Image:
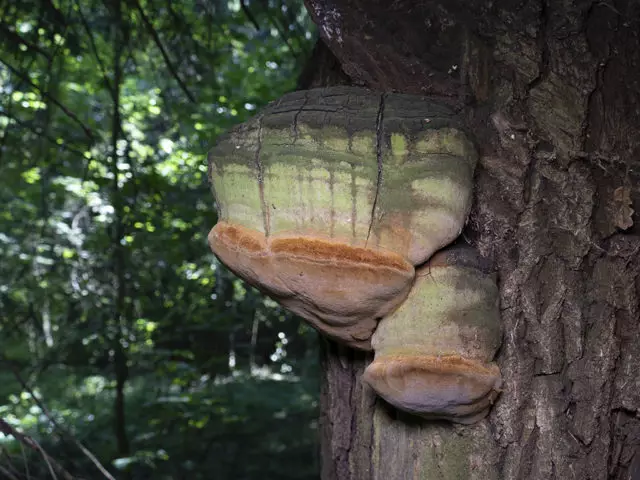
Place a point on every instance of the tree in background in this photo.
(120, 334)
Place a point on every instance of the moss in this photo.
(398, 147)
(448, 311)
(449, 458)
(444, 140)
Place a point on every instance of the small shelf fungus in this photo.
(329, 199)
(433, 355)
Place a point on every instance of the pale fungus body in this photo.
(433, 355)
(329, 199)
(341, 290)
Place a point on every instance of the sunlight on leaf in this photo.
(166, 145)
(32, 176)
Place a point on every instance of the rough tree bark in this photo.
(552, 92)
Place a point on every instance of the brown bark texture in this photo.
(551, 91)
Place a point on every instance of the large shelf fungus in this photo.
(329, 199)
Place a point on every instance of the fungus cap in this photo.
(433, 355)
(341, 290)
(329, 198)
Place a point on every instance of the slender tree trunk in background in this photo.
(552, 92)
(121, 314)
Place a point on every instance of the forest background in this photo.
(126, 349)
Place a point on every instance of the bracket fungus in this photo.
(330, 198)
(433, 355)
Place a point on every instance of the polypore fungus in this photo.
(433, 355)
(329, 198)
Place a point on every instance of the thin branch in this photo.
(17, 39)
(40, 133)
(44, 94)
(280, 29)
(249, 15)
(291, 19)
(167, 60)
(27, 441)
(94, 48)
(10, 104)
(65, 433)
(7, 474)
(59, 17)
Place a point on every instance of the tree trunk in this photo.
(552, 92)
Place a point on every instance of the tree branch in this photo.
(167, 60)
(64, 432)
(249, 15)
(94, 48)
(7, 473)
(27, 441)
(53, 100)
(40, 133)
(280, 29)
(17, 39)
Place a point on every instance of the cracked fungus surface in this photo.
(384, 172)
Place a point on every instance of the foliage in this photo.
(117, 326)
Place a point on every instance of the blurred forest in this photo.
(126, 350)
